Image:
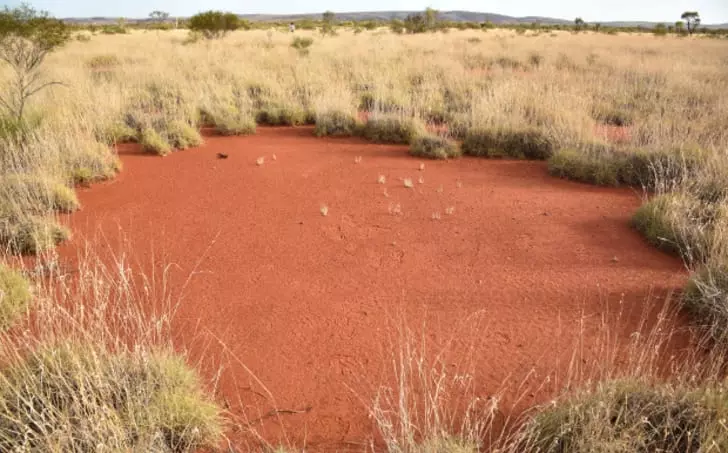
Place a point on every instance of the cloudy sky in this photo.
(712, 11)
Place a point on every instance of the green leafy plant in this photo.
(214, 24)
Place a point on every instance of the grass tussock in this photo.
(526, 143)
(624, 416)
(44, 194)
(706, 298)
(393, 129)
(336, 124)
(72, 397)
(434, 147)
(15, 296)
(30, 234)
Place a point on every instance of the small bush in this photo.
(706, 298)
(30, 234)
(41, 194)
(434, 147)
(661, 169)
(230, 120)
(527, 143)
(302, 44)
(153, 142)
(214, 24)
(630, 417)
(73, 397)
(336, 123)
(14, 296)
(392, 129)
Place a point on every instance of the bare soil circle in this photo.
(306, 301)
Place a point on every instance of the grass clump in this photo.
(230, 120)
(42, 194)
(79, 397)
(14, 296)
(625, 416)
(282, 116)
(182, 136)
(585, 166)
(524, 143)
(117, 132)
(393, 129)
(92, 161)
(336, 123)
(678, 223)
(30, 234)
(434, 147)
(153, 142)
(706, 298)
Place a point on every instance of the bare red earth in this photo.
(308, 302)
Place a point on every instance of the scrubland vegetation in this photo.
(630, 110)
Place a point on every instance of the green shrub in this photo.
(214, 24)
(526, 143)
(41, 194)
(14, 296)
(153, 142)
(434, 147)
(706, 298)
(625, 417)
(392, 129)
(336, 123)
(30, 234)
(83, 398)
(586, 166)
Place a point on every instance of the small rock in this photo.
(615, 259)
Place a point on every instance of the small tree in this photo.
(329, 20)
(26, 38)
(214, 24)
(680, 27)
(415, 23)
(692, 19)
(397, 26)
(579, 23)
(159, 16)
(431, 19)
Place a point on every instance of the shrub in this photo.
(585, 166)
(30, 234)
(302, 44)
(79, 397)
(624, 416)
(230, 120)
(526, 143)
(214, 24)
(336, 123)
(706, 298)
(153, 142)
(392, 129)
(434, 147)
(14, 296)
(41, 194)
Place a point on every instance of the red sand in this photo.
(305, 301)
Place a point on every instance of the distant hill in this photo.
(455, 16)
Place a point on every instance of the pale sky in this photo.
(711, 11)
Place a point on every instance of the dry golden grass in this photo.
(529, 95)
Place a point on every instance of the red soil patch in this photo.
(304, 300)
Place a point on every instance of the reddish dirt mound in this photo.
(305, 300)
